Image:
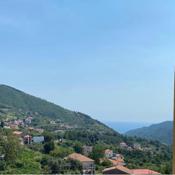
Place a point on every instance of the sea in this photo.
(123, 127)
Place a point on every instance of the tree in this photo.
(2, 165)
(78, 147)
(167, 168)
(49, 146)
(61, 152)
(106, 163)
(75, 165)
(11, 148)
(55, 167)
(2, 124)
(48, 137)
(97, 153)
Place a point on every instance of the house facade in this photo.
(87, 150)
(88, 165)
(108, 153)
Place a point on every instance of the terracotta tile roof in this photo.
(121, 168)
(17, 132)
(143, 171)
(116, 162)
(108, 151)
(80, 157)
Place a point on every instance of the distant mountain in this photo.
(161, 132)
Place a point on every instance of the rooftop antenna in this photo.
(174, 129)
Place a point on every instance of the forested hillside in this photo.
(161, 132)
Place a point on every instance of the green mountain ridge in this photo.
(17, 103)
(161, 132)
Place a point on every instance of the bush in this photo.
(49, 146)
(61, 152)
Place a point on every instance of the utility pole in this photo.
(174, 129)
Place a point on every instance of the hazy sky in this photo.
(111, 59)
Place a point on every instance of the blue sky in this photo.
(113, 60)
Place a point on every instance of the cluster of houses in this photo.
(135, 146)
(24, 123)
(15, 124)
(117, 167)
(28, 139)
(115, 159)
(88, 166)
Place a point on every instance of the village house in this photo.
(137, 146)
(30, 128)
(87, 163)
(27, 139)
(108, 153)
(17, 133)
(124, 170)
(18, 122)
(130, 148)
(7, 127)
(38, 139)
(28, 120)
(117, 170)
(13, 126)
(39, 130)
(52, 122)
(123, 145)
(36, 129)
(118, 156)
(118, 159)
(117, 162)
(87, 150)
(143, 171)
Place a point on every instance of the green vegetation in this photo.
(158, 161)
(97, 153)
(89, 137)
(66, 132)
(161, 132)
(17, 159)
(17, 103)
(35, 158)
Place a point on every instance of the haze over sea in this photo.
(123, 127)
